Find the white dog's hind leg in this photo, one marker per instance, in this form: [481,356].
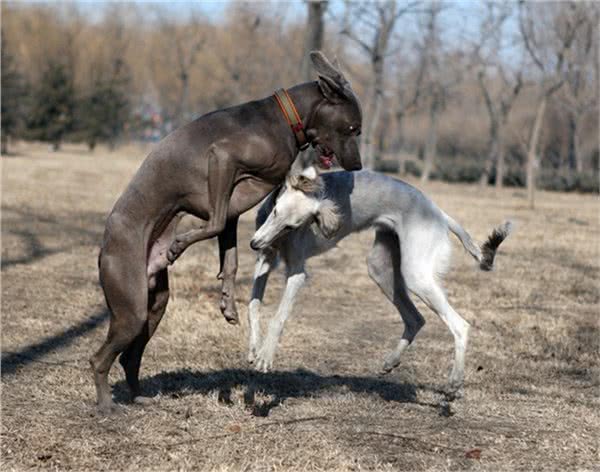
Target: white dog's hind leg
[295,280]
[265,262]
[413,322]
[384,268]
[433,296]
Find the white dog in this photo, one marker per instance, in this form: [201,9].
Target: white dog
[410,252]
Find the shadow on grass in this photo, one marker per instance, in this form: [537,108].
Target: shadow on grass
[280,386]
[12,361]
[35,229]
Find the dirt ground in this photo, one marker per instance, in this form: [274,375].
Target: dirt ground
[532,381]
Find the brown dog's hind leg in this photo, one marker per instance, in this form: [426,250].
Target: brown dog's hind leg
[124,281]
[131,359]
[157,258]
[229,263]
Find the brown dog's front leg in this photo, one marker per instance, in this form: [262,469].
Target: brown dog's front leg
[229,264]
[185,240]
[221,176]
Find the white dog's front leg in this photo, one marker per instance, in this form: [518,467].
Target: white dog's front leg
[267,351]
[264,264]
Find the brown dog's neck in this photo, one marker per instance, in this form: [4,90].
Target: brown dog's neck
[306,97]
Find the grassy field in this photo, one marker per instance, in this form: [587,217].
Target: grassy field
[532,380]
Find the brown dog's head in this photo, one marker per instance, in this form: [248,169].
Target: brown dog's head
[337,120]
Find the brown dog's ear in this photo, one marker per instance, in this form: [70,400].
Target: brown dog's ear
[331,80]
[324,67]
[330,89]
[328,218]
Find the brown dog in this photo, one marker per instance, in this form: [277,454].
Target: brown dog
[214,168]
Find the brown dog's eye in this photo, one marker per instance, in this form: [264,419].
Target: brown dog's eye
[354,130]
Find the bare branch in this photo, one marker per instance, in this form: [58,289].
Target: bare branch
[528,36]
[368,49]
[486,95]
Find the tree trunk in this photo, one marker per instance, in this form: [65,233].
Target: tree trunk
[500,169]
[501,151]
[367,139]
[431,142]
[4,145]
[397,144]
[181,115]
[571,146]
[492,154]
[532,152]
[577,147]
[313,39]
[382,133]
[373,114]
[340,39]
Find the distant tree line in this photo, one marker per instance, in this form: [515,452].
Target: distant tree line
[495,93]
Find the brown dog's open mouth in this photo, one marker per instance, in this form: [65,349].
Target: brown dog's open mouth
[326,157]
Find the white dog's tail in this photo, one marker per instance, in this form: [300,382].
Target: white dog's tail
[487,252]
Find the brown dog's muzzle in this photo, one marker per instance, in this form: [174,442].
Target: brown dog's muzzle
[349,157]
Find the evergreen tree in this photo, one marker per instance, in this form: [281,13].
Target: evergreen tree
[13,96]
[103,114]
[52,112]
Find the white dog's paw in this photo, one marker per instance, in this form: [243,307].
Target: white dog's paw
[264,360]
[252,355]
[391,361]
[456,383]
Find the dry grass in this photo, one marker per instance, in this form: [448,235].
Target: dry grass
[532,367]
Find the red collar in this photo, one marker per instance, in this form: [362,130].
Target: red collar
[292,117]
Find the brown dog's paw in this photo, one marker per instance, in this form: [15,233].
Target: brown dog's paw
[231,316]
[228,309]
[174,251]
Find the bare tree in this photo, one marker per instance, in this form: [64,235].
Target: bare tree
[378,20]
[183,42]
[498,109]
[437,82]
[313,39]
[548,32]
[500,90]
[579,96]
[408,95]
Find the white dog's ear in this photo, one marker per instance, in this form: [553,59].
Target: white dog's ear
[328,218]
[303,183]
[304,163]
[310,173]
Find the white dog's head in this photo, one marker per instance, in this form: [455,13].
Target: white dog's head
[299,202]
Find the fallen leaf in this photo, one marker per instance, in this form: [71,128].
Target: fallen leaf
[473,454]
[235,428]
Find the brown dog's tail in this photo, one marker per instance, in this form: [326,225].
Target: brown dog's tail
[487,252]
